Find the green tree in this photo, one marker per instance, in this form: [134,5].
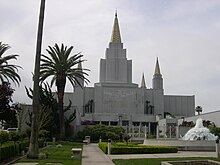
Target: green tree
[48,113]
[8,112]
[101,131]
[8,71]
[198,110]
[61,65]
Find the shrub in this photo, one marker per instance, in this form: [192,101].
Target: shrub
[103,131]
[103,146]
[4,136]
[215,131]
[122,148]
[112,135]
[44,134]
[14,136]
[23,145]
[127,137]
[9,149]
[142,150]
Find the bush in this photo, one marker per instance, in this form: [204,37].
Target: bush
[142,150]
[4,136]
[103,131]
[10,149]
[14,136]
[112,136]
[122,148]
[127,137]
[215,131]
[44,134]
[103,146]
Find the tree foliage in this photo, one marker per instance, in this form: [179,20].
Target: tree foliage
[8,71]
[7,111]
[215,131]
[49,114]
[62,66]
[101,131]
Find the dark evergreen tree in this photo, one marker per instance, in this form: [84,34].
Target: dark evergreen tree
[7,112]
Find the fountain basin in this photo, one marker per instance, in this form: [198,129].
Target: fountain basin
[191,162]
[183,145]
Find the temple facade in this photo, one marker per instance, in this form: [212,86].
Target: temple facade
[116,100]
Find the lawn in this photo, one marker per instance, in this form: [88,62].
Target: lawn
[154,161]
[57,153]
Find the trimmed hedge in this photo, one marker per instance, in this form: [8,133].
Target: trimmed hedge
[136,149]
[104,147]
[11,149]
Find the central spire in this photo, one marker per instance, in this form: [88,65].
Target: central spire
[116,37]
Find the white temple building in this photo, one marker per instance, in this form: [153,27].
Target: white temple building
[116,100]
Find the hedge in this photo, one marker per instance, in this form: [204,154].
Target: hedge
[136,149]
[11,149]
[103,146]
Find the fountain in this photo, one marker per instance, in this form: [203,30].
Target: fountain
[199,132]
[197,138]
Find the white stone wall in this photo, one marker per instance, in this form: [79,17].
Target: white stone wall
[179,105]
[211,116]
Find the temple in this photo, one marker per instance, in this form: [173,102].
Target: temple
[116,100]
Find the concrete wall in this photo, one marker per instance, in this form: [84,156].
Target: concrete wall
[211,116]
[179,105]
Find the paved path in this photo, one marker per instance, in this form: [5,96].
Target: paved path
[93,155]
[168,155]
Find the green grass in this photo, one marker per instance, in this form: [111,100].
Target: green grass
[58,154]
[154,161]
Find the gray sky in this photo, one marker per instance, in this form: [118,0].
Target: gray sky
[183,34]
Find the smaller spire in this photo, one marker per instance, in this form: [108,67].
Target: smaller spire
[143,85]
[157,68]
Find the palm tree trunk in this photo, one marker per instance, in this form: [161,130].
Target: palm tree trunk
[62,129]
[60,90]
[33,146]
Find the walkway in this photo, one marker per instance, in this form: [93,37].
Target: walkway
[93,155]
[181,154]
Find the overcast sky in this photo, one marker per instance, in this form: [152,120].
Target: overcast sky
[184,35]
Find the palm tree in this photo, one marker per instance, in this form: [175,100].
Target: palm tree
[61,65]
[8,71]
[33,146]
[199,110]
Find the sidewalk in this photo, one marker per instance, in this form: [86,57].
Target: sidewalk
[93,155]
[181,154]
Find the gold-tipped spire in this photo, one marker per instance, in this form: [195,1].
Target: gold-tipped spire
[157,68]
[116,37]
[143,85]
